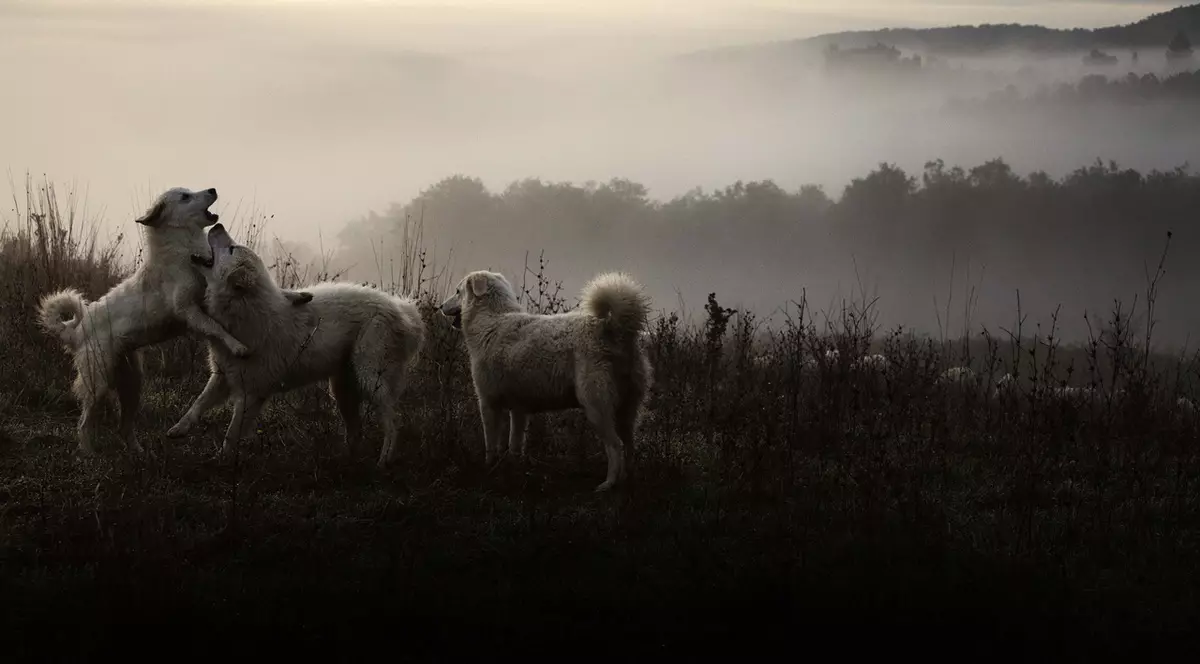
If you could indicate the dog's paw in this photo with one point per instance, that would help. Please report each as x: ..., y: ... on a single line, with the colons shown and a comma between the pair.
x: 297, y: 298
x: 605, y: 486
x: 239, y: 350
x: 180, y: 430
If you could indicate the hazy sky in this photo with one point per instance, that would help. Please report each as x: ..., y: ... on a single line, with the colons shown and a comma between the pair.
x: 275, y: 98
x: 804, y: 16
x: 320, y: 112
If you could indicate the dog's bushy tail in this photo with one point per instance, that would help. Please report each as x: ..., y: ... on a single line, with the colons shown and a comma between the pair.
x: 60, y: 314
x: 618, y: 300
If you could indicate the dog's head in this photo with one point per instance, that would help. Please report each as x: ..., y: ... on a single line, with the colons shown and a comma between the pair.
x: 479, y: 289
x: 181, y: 208
x: 234, y: 271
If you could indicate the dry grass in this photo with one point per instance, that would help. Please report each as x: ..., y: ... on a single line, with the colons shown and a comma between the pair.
x: 772, y: 499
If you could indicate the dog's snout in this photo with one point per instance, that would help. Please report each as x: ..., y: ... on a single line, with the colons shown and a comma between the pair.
x: 212, y: 191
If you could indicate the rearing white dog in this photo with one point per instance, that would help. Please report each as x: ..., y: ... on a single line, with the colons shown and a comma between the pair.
x: 159, y: 301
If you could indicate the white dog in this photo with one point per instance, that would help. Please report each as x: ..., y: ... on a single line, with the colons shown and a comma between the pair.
x: 524, y: 363
x: 159, y: 301
x: 361, y: 340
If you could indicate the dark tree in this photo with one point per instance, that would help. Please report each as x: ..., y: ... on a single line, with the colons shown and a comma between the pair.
x: 1180, y: 46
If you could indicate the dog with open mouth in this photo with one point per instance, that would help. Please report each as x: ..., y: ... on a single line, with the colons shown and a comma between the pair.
x: 159, y: 301
x: 361, y: 340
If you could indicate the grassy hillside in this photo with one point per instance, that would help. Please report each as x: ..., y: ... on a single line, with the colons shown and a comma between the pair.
x: 1152, y: 32
x: 772, y: 506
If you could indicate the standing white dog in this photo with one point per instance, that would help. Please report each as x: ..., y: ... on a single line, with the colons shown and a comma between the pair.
x: 159, y: 301
x: 362, y: 340
x: 526, y: 363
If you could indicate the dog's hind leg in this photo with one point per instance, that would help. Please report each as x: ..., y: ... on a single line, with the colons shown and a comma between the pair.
x: 627, y: 417
x: 601, y: 417
x: 503, y: 432
x: 344, y: 388
x: 516, y: 432
x: 91, y: 385
x: 127, y: 379
x: 215, y: 391
x: 385, y: 398
x: 613, y: 447
x: 246, y: 408
x: 596, y: 397
x: 390, y: 418
x: 87, y: 426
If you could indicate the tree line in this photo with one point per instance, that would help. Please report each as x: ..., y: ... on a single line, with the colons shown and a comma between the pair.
x: 1080, y: 239
x: 1128, y: 90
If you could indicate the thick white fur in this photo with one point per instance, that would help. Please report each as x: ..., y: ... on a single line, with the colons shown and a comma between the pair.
x: 159, y: 301
x: 523, y: 363
x: 362, y: 340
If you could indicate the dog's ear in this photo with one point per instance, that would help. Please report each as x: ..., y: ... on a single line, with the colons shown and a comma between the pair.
x: 479, y: 284
x: 297, y: 298
x: 153, y: 216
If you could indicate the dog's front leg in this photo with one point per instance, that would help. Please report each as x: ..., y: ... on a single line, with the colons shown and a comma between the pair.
x: 215, y: 392
x: 197, y: 320
x: 493, y: 423
x: 245, y: 413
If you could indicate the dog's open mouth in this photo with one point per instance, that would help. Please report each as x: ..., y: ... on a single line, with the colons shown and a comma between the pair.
x: 220, y: 243
x: 211, y: 216
x: 456, y: 320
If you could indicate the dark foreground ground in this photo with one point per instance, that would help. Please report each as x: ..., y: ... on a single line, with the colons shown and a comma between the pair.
x: 1050, y: 548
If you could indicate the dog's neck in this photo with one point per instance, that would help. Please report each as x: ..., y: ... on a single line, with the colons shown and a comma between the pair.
x: 229, y: 314
x: 496, y: 306
x: 499, y: 303
x: 173, y: 245
x: 268, y: 314
x: 478, y: 322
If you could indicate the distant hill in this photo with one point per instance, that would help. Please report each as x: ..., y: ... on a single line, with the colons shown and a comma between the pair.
x: 1152, y: 32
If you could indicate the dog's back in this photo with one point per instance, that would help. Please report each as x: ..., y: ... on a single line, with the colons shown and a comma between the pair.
x: 530, y: 360
x: 372, y: 323
x: 543, y: 362
x: 342, y: 324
